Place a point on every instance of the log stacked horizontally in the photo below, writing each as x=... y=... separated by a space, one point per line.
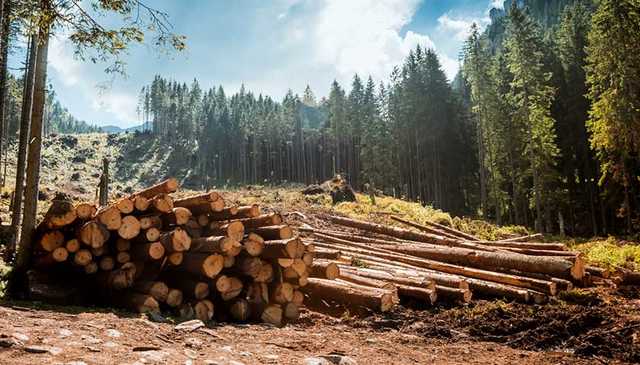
x=192 y=255
x=198 y=256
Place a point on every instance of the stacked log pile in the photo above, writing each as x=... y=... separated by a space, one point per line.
x=432 y=262
x=195 y=256
x=202 y=258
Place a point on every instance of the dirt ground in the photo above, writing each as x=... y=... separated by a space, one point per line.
x=44 y=336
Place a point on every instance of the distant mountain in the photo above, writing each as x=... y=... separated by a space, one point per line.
x=116 y=129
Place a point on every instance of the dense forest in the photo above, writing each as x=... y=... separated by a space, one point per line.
x=532 y=131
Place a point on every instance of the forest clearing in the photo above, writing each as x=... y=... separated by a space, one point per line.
x=464 y=188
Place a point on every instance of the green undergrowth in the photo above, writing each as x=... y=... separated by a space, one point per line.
x=610 y=253
x=386 y=206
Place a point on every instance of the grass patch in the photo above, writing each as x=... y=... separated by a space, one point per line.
x=610 y=253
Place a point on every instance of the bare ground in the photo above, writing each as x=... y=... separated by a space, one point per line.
x=90 y=337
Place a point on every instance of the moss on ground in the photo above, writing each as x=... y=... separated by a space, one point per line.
x=609 y=252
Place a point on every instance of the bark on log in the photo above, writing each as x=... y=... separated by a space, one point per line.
x=151 y=221
x=351 y=295
x=147 y=251
x=430 y=230
x=165 y=187
x=234 y=230
x=178 y=216
x=61 y=213
x=367 y=252
x=176 y=241
x=214 y=244
x=226 y=213
x=324 y=270
x=203 y=264
x=527 y=238
x=271 y=219
x=239 y=310
x=403 y=234
x=280 y=232
x=196 y=200
x=162 y=203
x=272 y=314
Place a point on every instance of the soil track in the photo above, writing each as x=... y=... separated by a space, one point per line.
x=106 y=338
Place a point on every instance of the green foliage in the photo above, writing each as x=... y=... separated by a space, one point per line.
x=610 y=253
x=613 y=76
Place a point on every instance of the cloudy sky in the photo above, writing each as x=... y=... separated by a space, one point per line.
x=270 y=46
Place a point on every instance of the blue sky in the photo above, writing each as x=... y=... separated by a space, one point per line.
x=270 y=47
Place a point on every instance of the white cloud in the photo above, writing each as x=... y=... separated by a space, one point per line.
x=498 y=4
x=363 y=36
x=460 y=26
x=78 y=78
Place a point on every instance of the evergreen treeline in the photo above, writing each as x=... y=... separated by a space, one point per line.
x=410 y=137
x=541 y=128
x=557 y=118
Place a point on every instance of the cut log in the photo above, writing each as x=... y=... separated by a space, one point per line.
x=253 y=244
x=72 y=245
x=526 y=238
x=61 y=213
x=125 y=205
x=149 y=235
x=225 y=214
x=123 y=257
x=162 y=203
x=204 y=207
x=110 y=217
x=82 y=257
x=174 y=298
x=494 y=260
x=298 y=297
x=525 y=282
x=275 y=249
x=324 y=270
x=436 y=231
x=272 y=314
x=271 y=219
x=233 y=230
x=248 y=211
x=99 y=251
x=234 y=290
x=140 y=203
x=408 y=271
x=282 y=293
x=239 y=310
x=373 y=283
x=266 y=273
x=141 y=303
x=494 y=290
x=175 y=258
x=203 y=310
x=196 y=200
x=525 y=245
x=178 y=216
x=147 y=251
x=157 y=289
x=449 y=230
x=165 y=187
x=291 y=311
x=190 y=287
x=214 y=244
x=129 y=227
x=250 y=266
x=419 y=282
x=280 y=232
x=51 y=240
x=151 y=221
x=222 y=283
x=85 y=211
x=446 y=293
x=107 y=263
x=351 y=295
x=59 y=254
x=203 y=264
x=176 y=241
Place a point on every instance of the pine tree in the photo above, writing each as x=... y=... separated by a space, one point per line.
x=531 y=97
x=614 y=85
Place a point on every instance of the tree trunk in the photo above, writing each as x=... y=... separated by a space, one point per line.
x=25 y=123
x=104 y=184
x=4 y=52
x=35 y=147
